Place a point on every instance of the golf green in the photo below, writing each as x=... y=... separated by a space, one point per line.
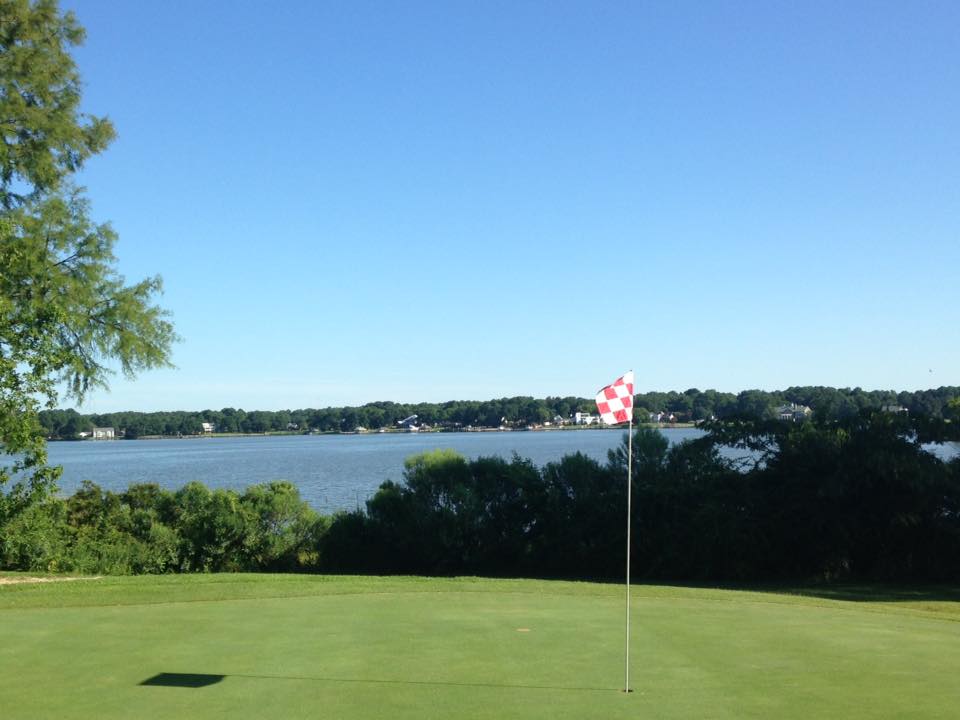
x=254 y=646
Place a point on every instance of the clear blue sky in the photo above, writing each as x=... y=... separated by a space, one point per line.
x=354 y=201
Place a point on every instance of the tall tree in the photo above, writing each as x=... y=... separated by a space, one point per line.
x=67 y=317
x=44 y=135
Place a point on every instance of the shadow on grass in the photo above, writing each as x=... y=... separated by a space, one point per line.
x=194 y=680
x=183 y=680
x=875 y=593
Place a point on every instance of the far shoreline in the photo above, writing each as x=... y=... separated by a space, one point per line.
x=441 y=431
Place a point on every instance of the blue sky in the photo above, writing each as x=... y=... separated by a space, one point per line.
x=429 y=201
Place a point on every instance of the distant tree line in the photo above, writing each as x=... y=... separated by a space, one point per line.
x=691 y=405
x=752 y=500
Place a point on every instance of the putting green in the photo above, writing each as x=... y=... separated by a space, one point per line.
x=254 y=646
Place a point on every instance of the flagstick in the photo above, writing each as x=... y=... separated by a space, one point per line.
x=614 y=402
x=626 y=680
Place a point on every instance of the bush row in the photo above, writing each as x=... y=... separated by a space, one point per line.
x=150 y=530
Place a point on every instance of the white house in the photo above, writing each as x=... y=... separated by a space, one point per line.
x=208 y=427
x=104 y=433
x=793 y=412
x=581 y=418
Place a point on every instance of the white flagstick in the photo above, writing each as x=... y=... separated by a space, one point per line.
x=614 y=402
x=626 y=680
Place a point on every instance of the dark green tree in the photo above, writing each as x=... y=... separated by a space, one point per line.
x=953 y=409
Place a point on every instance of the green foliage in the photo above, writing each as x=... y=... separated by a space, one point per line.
x=44 y=135
x=38 y=539
x=953 y=409
x=269 y=527
x=579 y=530
x=65 y=312
x=150 y=530
x=283 y=532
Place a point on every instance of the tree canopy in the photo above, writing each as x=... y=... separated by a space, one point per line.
x=67 y=317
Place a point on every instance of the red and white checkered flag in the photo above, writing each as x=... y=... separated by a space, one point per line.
x=615 y=402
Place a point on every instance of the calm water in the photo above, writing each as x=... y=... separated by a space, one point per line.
x=333 y=472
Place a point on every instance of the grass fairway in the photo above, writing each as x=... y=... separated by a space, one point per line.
x=255 y=646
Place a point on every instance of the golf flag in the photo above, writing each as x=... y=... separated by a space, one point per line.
x=615 y=401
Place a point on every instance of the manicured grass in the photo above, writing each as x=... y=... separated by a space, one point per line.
x=253 y=646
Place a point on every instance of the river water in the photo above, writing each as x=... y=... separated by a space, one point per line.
x=333 y=472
